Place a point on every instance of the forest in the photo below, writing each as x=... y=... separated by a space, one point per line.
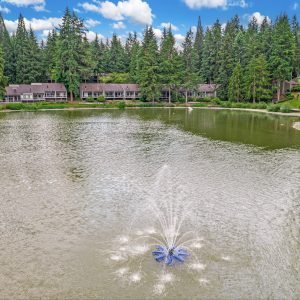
x=249 y=63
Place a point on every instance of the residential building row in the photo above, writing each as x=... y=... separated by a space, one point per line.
x=57 y=92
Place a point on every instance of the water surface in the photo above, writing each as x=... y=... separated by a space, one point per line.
x=74 y=187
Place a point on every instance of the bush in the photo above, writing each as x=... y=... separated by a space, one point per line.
x=296 y=88
x=261 y=105
x=216 y=101
x=181 y=99
x=273 y=108
x=121 y=105
x=285 y=109
x=199 y=105
x=90 y=99
x=101 y=99
x=15 y=106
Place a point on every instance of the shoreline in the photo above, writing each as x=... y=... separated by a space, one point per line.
x=291 y=114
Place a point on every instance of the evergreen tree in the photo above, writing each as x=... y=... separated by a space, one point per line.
x=3 y=79
x=50 y=55
x=198 y=48
x=296 y=33
x=235 y=91
x=168 y=62
x=257 y=81
x=69 y=52
x=35 y=67
x=22 y=54
x=189 y=66
x=283 y=52
x=211 y=53
x=134 y=58
x=88 y=65
x=148 y=66
x=227 y=56
x=8 y=52
x=117 y=62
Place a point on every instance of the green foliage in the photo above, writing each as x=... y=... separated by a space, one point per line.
x=15 y=106
x=90 y=99
x=273 y=108
x=285 y=109
x=121 y=105
x=101 y=99
x=235 y=92
x=116 y=78
x=296 y=88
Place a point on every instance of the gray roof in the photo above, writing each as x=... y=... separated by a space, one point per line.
x=108 y=87
x=18 y=89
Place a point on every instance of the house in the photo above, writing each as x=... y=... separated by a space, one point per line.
x=111 y=91
x=36 y=92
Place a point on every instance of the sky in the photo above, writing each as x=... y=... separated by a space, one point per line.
x=105 y=17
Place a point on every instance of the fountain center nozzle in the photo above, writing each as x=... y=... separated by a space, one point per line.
x=170 y=255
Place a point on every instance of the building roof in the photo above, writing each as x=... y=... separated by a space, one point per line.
x=112 y=87
x=17 y=89
x=109 y=87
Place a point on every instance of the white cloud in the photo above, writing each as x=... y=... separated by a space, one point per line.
x=179 y=39
x=36 y=24
x=25 y=2
x=89 y=23
x=119 y=25
x=4 y=9
x=295 y=6
x=91 y=35
x=197 y=4
x=137 y=11
x=167 y=25
x=39 y=8
x=259 y=17
x=158 y=33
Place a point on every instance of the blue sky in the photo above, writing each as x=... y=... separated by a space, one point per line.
x=123 y=16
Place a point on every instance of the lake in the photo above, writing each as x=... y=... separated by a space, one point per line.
x=76 y=188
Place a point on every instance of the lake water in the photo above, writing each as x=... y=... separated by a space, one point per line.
x=75 y=185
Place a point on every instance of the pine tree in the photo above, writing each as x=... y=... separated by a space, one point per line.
x=235 y=91
x=134 y=58
x=296 y=33
x=34 y=60
x=198 y=48
x=8 y=52
x=168 y=62
x=257 y=81
x=116 y=56
x=88 y=64
x=3 y=79
x=148 y=69
x=227 y=56
x=283 y=52
x=22 y=55
x=211 y=53
x=189 y=65
x=50 y=55
x=69 y=52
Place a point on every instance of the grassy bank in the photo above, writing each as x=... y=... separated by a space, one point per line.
x=284 y=107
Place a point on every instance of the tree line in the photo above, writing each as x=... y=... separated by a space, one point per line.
x=249 y=63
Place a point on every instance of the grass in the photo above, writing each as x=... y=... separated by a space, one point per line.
x=284 y=107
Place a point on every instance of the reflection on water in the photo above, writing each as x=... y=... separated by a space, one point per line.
x=72 y=183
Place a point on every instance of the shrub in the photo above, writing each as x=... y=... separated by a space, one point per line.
x=101 y=99
x=216 y=100
x=199 y=105
x=261 y=105
x=90 y=99
x=121 y=105
x=15 y=106
x=273 y=108
x=296 y=88
x=285 y=109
